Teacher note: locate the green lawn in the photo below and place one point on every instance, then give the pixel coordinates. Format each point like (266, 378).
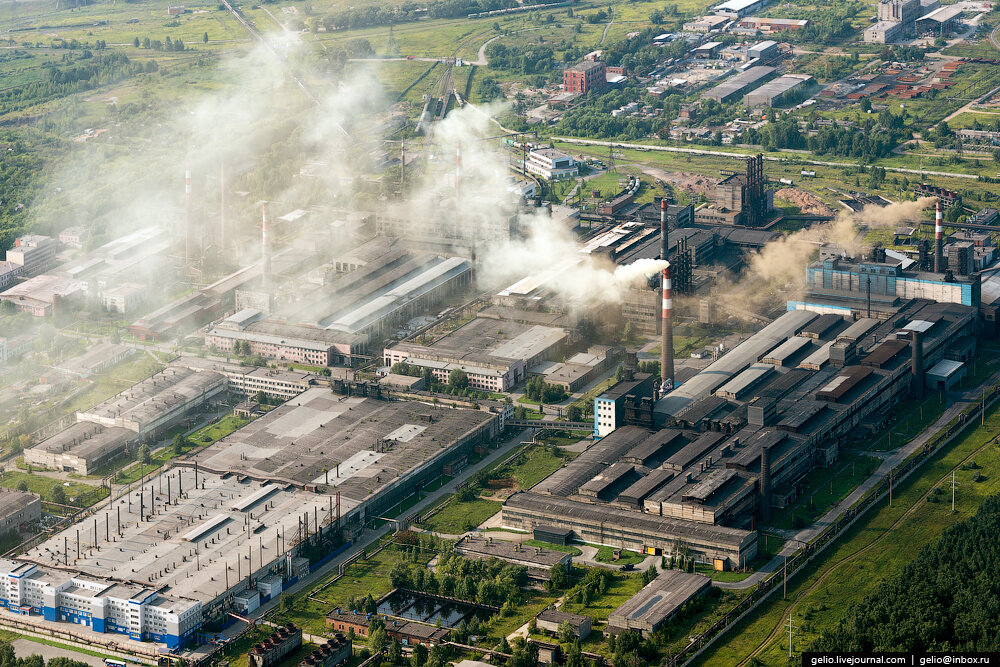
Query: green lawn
(458, 517)
(533, 465)
(203, 437)
(44, 486)
(606, 555)
(213, 432)
(874, 550)
(910, 418)
(565, 548)
(823, 488)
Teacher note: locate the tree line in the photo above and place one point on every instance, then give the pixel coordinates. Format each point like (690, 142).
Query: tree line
(946, 599)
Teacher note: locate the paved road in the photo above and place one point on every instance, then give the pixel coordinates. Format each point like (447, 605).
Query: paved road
(25, 647)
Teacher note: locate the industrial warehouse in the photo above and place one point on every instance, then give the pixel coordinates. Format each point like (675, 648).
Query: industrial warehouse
(734, 439)
(250, 514)
(494, 355)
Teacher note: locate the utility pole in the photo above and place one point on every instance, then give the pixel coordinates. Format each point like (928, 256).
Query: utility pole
(890, 487)
(953, 491)
(791, 627)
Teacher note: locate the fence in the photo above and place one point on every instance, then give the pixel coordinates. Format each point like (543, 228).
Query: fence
(810, 551)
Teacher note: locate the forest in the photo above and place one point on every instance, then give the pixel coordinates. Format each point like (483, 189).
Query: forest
(946, 599)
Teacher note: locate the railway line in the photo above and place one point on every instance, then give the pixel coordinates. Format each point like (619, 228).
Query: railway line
(779, 628)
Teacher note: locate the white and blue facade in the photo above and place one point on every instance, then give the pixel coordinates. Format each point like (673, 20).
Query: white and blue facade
(103, 606)
(850, 283)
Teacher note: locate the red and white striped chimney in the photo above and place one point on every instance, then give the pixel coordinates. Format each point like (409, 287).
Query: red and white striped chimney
(265, 246)
(667, 336)
(938, 238)
(187, 215)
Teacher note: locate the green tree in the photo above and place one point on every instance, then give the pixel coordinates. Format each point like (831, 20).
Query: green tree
(179, 442)
(566, 633)
(458, 378)
(419, 656)
(574, 413)
(377, 636)
(135, 42)
(144, 455)
(58, 494)
(22, 485)
(395, 653)
(204, 38)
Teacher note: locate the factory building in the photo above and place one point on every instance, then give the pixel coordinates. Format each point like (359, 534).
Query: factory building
(735, 439)
(740, 84)
(880, 284)
(158, 402)
(82, 448)
(248, 380)
(779, 91)
(452, 226)
(739, 199)
(770, 26)
(495, 355)
(739, 8)
(19, 511)
(224, 532)
(609, 407)
(42, 295)
(34, 253)
(551, 164)
(942, 18)
(657, 602)
(551, 620)
(620, 528)
(103, 605)
(585, 77)
(286, 342)
(9, 271)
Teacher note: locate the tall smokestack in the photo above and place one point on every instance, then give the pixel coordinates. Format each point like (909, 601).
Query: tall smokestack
(667, 325)
(458, 166)
(917, 362)
(265, 247)
(938, 238)
(187, 215)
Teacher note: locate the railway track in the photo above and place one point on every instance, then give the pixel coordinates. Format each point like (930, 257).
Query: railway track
(779, 628)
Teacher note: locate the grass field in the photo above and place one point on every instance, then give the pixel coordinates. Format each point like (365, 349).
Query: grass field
(607, 555)
(823, 488)
(533, 465)
(217, 431)
(873, 550)
(44, 486)
(458, 517)
(565, 548)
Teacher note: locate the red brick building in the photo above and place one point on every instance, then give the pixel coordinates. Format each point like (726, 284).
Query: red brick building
(584, 77)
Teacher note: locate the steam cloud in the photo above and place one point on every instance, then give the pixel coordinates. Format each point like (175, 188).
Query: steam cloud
(778, 271)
